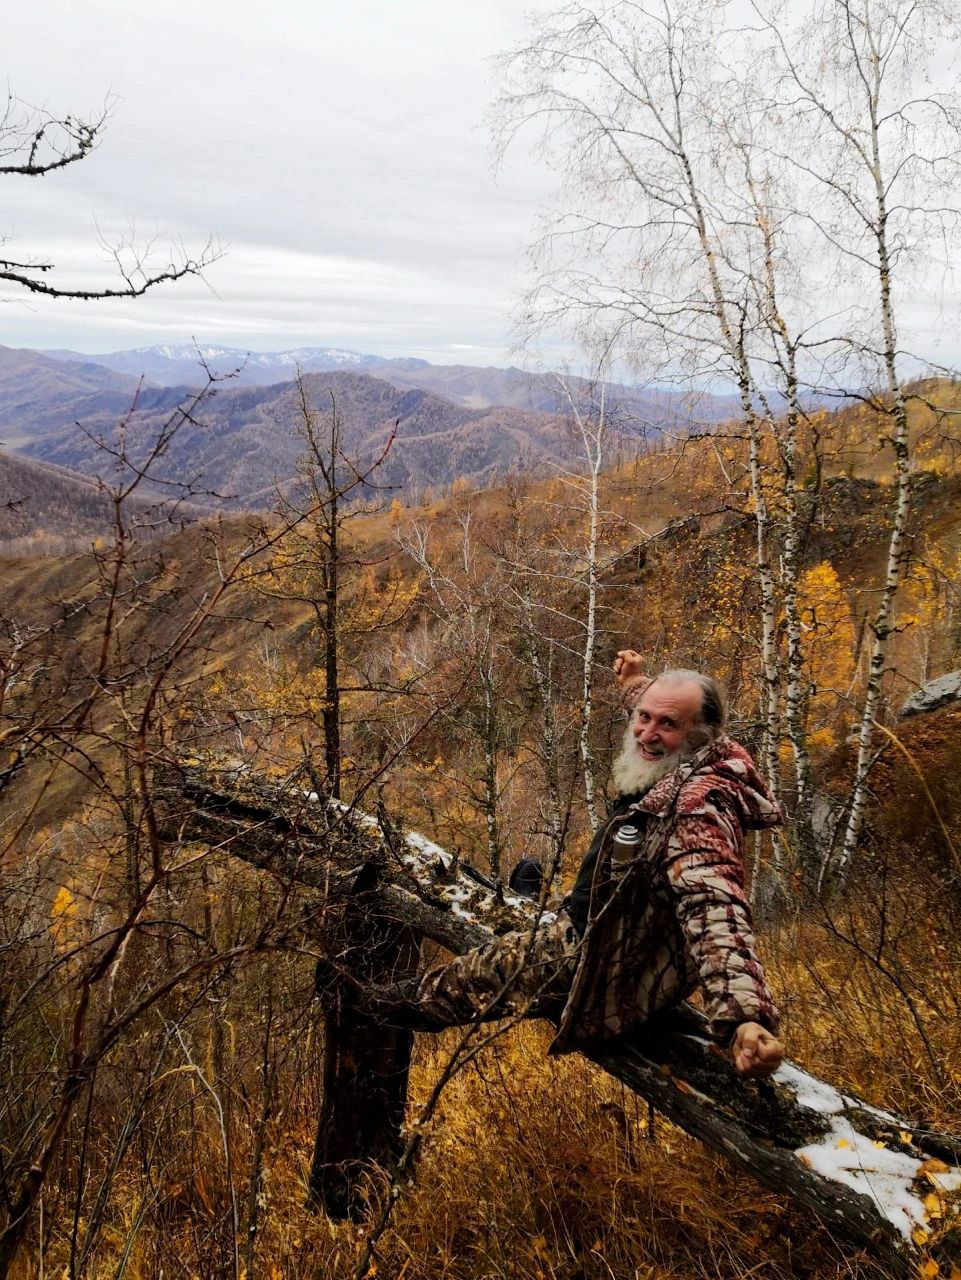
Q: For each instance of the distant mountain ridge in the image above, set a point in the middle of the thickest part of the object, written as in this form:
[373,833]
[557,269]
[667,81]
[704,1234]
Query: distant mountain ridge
[473,386]
[182,364]
[242,447]
[451,422]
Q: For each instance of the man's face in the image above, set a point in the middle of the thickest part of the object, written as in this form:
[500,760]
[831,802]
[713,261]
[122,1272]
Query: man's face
[664,717]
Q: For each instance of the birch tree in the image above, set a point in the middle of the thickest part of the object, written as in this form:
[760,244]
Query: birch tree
[591,426]
[880,150]
[524,563]
[621,93]
[704,161]
[464,605]
[770,270]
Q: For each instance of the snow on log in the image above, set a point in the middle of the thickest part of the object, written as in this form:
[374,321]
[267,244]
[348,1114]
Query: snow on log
[889,1186]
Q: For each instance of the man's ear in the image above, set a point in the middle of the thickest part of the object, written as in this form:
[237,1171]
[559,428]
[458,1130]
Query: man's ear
[697,737]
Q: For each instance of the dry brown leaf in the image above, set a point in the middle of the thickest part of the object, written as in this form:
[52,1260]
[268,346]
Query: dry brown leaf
[933,1205]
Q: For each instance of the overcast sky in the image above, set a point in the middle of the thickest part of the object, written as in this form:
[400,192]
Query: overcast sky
[338,151]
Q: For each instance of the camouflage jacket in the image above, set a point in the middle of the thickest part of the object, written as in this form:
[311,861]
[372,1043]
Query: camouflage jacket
[674,916]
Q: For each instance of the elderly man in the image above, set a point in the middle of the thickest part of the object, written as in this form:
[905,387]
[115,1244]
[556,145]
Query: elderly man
[658,908]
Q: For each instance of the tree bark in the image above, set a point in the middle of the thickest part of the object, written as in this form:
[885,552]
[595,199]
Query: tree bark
[889,1186]
[366,1066]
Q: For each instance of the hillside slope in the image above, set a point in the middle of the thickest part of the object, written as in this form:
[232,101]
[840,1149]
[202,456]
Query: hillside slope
[46,509]
[242,442]
[460,667]
[40,394]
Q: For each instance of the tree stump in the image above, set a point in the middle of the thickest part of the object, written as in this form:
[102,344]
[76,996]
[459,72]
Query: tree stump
[365,1065]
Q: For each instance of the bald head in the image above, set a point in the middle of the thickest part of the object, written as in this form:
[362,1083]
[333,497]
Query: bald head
[709,711]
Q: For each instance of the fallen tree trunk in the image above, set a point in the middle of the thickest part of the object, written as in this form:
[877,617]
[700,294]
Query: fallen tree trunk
[887,1185]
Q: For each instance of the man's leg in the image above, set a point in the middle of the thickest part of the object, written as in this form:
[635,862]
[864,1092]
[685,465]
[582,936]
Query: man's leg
[527,973]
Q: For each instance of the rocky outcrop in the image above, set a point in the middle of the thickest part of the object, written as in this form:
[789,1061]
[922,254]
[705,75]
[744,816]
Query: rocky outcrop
[932,696]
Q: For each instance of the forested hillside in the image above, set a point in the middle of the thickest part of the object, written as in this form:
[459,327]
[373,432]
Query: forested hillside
[472,386]
[241,442]
[240,446]
[162,1046]
[340,653]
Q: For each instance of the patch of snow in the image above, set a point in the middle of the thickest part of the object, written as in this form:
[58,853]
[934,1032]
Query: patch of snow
[427,848]
[823,1097]
[458,911]
[424,857]
[187,351]
[454,893]
[810,1092]
[846,1156]
[851,1158]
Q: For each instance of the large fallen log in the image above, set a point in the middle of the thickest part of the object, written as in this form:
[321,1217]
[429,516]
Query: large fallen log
[887,1185]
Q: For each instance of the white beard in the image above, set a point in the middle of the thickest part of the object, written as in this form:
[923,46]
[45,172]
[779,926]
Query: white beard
[631,772]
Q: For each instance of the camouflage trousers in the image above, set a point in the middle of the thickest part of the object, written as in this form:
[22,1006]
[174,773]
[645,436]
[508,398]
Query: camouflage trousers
[524,974]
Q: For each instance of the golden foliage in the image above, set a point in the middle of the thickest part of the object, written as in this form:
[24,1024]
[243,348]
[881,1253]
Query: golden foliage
[64,922]
[534,1167]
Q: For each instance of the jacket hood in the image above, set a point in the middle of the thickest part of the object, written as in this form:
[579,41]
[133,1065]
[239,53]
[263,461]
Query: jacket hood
[725,772]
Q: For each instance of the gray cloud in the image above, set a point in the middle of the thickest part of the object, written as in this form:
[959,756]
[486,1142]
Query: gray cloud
[338,151]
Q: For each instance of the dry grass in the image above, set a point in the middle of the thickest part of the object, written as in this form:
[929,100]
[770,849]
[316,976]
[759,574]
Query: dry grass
[541,1169]
[533,1168]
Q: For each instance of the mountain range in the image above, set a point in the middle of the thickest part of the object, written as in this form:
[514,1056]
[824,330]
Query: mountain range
[473,386]
[240,446]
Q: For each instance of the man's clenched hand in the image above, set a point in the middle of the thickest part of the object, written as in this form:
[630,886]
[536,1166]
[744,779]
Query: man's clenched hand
[627,664]
[755,1051]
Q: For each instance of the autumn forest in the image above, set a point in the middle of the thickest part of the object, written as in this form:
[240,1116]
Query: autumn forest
[359,604]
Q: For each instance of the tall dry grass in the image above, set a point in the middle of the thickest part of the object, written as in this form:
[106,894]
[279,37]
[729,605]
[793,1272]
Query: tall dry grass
[532,1168]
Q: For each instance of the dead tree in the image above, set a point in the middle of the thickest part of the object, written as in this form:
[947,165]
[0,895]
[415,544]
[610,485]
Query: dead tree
[887,1185]
[366,1065]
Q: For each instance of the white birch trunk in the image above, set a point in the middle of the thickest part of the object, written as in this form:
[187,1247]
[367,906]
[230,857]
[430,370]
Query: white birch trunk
[785,348]
[734,342]
[551,807]
[590,641]
[762,524]
[594,448]
[491,797]
[883,623]
[592,437]
[795,699]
